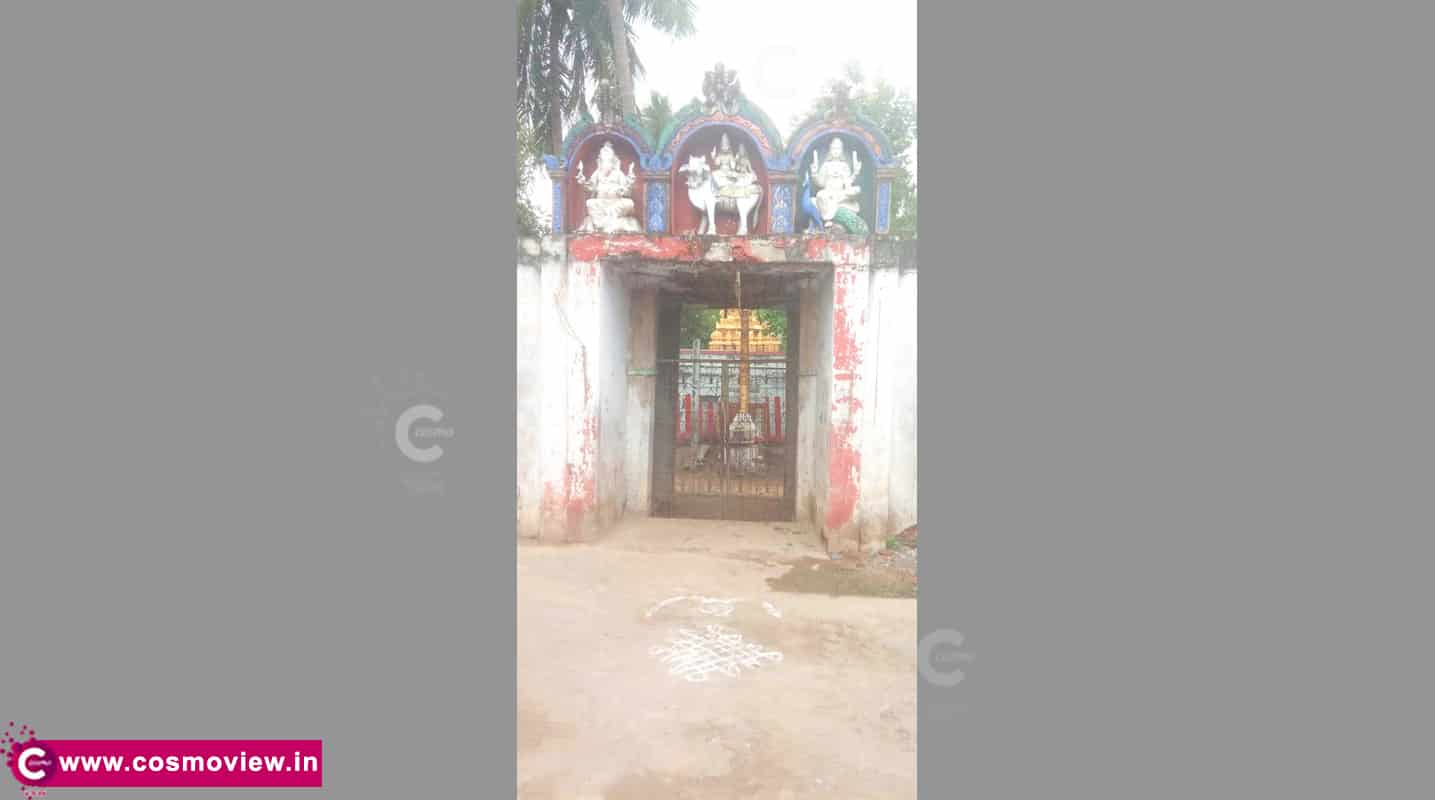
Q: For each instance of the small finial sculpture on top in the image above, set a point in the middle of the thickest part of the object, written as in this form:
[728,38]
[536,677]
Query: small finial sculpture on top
[721,91]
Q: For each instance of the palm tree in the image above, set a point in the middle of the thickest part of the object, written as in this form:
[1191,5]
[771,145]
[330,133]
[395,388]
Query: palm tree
[552,67]
[566,45]
[674,17]
[618,24]
[657,114]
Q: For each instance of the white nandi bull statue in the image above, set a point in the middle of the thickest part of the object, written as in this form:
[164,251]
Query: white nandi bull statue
[732,187]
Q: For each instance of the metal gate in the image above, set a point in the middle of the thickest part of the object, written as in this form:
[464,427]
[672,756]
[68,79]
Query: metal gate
[713,459]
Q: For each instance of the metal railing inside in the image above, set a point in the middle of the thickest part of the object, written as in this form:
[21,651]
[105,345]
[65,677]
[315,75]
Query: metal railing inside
[728,465]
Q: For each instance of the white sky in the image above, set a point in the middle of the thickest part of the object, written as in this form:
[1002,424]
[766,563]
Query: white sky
[783,52]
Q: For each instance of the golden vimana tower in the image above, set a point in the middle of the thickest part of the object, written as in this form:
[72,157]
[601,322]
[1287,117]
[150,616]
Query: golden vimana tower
[728,334]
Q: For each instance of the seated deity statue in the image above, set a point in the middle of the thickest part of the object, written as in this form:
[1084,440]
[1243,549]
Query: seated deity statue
[732,171]
[610,203]
[728,184]
[837,191]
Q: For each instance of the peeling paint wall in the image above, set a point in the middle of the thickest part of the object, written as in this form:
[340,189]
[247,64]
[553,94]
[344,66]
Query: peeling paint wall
[901,352]
[884,315]
[586,364]
[871,448]
[529,392]
[850,388]
[814,380]
[642,366]
[564,366]
[612,388]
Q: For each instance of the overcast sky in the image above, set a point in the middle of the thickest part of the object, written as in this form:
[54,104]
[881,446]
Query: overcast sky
[783,52]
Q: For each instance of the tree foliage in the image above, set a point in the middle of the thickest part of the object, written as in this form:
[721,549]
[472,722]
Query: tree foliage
[774,322]
[697,322]
[565,47]
[673,16]
[895,112]
[531,221]
[656,114]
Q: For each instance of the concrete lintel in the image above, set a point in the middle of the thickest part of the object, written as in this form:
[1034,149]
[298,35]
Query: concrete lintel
[721,249]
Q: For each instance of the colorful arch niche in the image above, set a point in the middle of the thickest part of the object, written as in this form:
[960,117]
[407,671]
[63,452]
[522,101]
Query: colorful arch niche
[859,135]
[684,217]
[585,152]
[866,180]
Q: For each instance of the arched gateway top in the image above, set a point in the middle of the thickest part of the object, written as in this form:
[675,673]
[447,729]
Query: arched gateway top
[586,130]
[723,105]
[842,118]
[611,123]
[720,167]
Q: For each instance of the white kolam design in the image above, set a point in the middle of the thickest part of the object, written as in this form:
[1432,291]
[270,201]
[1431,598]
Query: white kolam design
[709,606]
[695,655]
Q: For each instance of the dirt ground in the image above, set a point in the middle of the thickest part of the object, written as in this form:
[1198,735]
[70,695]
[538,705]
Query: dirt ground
[602,715]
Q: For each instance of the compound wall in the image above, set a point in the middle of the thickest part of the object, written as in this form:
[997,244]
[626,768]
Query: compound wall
[586,365]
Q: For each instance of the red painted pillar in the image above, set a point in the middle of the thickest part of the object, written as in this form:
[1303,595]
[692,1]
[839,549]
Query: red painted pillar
[777,418]
[688,414]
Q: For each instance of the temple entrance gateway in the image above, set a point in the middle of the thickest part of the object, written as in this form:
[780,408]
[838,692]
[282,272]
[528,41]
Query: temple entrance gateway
[724,447]
[621,414]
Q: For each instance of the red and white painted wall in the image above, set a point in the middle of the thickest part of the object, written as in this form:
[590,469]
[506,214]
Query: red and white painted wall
[586,360]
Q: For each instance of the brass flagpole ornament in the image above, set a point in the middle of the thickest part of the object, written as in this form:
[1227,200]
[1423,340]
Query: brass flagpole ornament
[742,433]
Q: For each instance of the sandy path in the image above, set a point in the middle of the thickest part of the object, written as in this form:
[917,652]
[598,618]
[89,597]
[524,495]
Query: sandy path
[600,716]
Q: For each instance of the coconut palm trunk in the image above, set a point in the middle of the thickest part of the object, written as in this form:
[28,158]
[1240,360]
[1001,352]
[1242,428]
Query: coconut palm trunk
[620,56]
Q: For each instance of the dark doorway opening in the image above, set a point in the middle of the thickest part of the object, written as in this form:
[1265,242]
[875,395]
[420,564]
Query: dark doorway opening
[726,426]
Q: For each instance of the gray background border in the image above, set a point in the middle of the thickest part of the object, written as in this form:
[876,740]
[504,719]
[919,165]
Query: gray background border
[1174,502]
[1177,420]
[228,229]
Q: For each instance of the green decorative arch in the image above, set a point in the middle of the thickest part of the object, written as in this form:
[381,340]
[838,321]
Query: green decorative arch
[630,128]
[691,118]
[855,124]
